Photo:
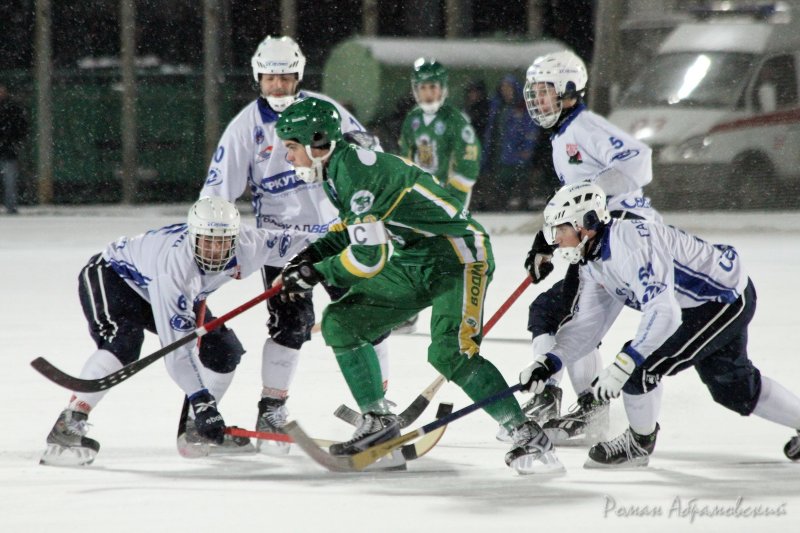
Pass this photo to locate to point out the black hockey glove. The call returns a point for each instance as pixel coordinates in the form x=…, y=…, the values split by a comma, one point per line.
x=207, y=419
x=299, y=276
x=534, y=377
x=539, y=261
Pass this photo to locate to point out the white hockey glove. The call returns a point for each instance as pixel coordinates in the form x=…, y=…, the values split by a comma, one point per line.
x=609, y=382
x=534, y=377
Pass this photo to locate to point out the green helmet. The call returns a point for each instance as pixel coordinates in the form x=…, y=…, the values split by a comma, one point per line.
x=429, y=71
x=310, y=121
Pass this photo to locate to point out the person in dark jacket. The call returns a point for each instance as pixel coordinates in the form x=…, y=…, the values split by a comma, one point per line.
x=13, y=129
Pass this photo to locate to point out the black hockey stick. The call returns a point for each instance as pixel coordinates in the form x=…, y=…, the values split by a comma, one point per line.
x=44, y=367
x=421, y=402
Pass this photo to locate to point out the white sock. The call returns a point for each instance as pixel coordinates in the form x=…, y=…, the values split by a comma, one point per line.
x=584, y=370
x=216, y=383
x=278, y=366
x=382, y=349
x=542, y=344
x=100, y=364
x=777, y=404
x=643, y=410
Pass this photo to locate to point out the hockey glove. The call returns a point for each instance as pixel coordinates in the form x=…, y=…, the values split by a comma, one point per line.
x=207, y=419
x=609, y=382
x=539, y=261
x=534, y=377
x=298, y=279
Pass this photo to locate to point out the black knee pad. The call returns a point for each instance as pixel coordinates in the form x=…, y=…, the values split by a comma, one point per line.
x=547, y=311
x=220, y=350
x=290, y=322
x=736, y=387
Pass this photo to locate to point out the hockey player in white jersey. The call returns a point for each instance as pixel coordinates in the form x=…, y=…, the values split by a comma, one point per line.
x=250, y=155
x=696, y=302
x=153, y=282
x=586, y=147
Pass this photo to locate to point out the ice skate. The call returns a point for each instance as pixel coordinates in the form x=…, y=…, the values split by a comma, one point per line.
x=586, y=423
x=544, y=406
x=532, y=452
x=792, y=448
x=191, y=444
x=272, y=416
x=627, y=450
x=374, y=429
x=67, y=444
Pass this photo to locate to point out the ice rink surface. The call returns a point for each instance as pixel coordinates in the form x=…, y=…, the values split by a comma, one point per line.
x=708, y=460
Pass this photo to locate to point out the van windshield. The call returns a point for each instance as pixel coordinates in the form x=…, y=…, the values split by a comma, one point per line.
x=691, y=79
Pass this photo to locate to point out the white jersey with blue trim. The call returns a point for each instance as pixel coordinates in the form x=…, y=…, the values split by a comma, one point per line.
x=250, y=154
x=587, y=147
x=653, y=268
x=160, y=266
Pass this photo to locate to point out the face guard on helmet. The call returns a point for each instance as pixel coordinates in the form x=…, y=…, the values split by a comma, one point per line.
x=213, y=227
x=429, y=71
x=314, y=123
x=278, y=55
x=579, y=205
x=550, y=80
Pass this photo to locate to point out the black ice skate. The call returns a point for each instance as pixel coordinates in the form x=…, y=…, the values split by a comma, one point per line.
x=374, y=429
x=532, y=452
x=66, y=443
x=540, y=409
x=272, y=416
x=792, y=448
x=191, y=444
x=628, y=450
x=585, y=423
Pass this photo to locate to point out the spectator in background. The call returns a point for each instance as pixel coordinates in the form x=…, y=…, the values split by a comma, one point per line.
x=509, y=143
x=476, y=105
x=13, y=128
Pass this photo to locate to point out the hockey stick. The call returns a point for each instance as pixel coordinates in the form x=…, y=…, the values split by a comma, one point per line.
x=361, y=460
x=409, y=451
x=44, y=367
x=421, y=402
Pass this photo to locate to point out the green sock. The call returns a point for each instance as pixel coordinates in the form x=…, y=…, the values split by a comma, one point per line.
x=363, y=376
x=480, y=379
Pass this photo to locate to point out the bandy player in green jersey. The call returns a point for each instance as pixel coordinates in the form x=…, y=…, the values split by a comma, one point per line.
x=437, y=136
x=442, y=258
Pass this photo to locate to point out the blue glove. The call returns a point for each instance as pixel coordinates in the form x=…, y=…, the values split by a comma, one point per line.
x=207, y=419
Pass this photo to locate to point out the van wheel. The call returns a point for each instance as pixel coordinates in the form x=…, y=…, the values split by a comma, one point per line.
x=752, y=182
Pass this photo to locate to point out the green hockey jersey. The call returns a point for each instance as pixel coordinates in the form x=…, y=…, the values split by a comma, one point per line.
x=445, y=145
x=382, y=195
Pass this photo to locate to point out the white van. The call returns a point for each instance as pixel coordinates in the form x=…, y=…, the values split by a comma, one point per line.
x=719, y=104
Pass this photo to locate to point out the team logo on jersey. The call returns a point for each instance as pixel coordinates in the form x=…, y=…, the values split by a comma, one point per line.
x=258, y=134
x=426, y=153
x=286, y=242
x=264, y=154
x=439, y=127
x=214, y=177
x=181, y=323
x=652, y=288
x=625, y=155
x=415, y=123
x=468, y=134
x=361, y=202
x=574, y=154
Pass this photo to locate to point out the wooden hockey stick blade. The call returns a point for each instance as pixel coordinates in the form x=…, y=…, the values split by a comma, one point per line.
x=362, y=460
x=407, y=417
x=45, y=368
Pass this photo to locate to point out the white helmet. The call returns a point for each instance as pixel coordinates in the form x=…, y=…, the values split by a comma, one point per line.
x=580, y=205
x=218, y=221
x=562, y=70
x=278, y=55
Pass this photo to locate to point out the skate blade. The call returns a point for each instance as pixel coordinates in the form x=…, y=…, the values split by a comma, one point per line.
x=273, y=448
x=57, y=455
x=638, y=462
x=393, y=462
x=503, y=435
x=547, y=463
x=560, y=437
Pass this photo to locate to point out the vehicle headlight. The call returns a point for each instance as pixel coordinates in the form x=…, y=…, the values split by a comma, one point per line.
x=693, y=146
